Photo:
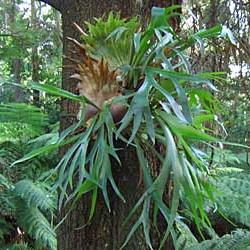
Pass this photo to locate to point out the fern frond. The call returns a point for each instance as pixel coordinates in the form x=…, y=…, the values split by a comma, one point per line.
x=234, y=192
x=96, y=81
x=23, y=113
x=112, y=39
x=5, y=228
x=34, y=196
x=36, y=225
x=238, y=240
x=16, y=246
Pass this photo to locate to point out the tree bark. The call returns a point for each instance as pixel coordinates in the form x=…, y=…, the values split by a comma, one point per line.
x=106, y=230
x=16, y=63
x=34, y=55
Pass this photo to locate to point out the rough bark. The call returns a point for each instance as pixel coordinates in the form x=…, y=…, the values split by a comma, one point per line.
x=106, y=230
x=16, y=63
x=34, y=55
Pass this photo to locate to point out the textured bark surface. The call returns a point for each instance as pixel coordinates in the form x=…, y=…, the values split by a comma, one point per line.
x=34, y=55
x=17, y=63
x=106, y=230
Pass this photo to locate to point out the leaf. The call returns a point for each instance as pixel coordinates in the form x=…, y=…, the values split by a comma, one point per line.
x=185, y=130
x=43, y=150
x=139, y=108
x=61, y=93
x=227, y=32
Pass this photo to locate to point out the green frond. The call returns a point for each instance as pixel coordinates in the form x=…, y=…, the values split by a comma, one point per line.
x=23, y=113
x=34, y=195
x=112, y=39
x=36, y=225
x=186, y=237
x=157, y=83
x=11, y=151
x=5, y=228
x=233, y=194
x=238, y=240
x=16, y=246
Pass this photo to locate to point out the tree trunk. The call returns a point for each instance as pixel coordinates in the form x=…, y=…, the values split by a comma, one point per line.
x=16, y=63
x=106, y=230
x=34, y=55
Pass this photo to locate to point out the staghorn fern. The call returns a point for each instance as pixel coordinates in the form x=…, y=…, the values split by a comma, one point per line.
x=111, y=39
x=156, y=79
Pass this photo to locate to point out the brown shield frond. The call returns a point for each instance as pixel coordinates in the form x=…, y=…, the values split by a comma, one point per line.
x=95, y=80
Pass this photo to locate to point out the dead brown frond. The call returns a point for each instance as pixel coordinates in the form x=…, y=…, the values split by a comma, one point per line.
x=95, y=80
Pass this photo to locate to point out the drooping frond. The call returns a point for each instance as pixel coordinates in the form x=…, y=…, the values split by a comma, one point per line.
x=34, y=196
x=16, y=246
x=238, y=240
x=234, y=192
x=36, y=225
x=23, y=113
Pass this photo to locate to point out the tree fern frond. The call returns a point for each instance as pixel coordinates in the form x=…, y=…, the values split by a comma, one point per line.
x=23, y=113
x=36, y=225
x=234, y=192
x=238, y=240
x=5, y=228
x=34, y=195
x=16, y=246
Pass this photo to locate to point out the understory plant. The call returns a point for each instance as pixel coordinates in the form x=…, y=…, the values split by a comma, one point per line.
x=138, y=86
x=26, y=204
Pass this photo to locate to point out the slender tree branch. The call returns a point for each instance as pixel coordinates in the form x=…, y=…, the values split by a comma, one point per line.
x=54, y=3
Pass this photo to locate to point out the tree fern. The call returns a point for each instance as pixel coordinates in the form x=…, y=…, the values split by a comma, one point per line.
x=34, y=196
x=233, y=194
x=16, y=246
x=24, y=203
x=23, y=113
x=238, y=240
x=36, y=225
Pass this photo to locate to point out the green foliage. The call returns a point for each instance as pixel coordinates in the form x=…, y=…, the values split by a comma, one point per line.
x=29, y=205
x=166, y=104
x=13, y=131
x=34, y=196
x=112, y=39
x=157, y=82
x=16, y=246
x=23, y=113
x=238, y=240
x=233, y=187
x=24, y=202
x=36, y=225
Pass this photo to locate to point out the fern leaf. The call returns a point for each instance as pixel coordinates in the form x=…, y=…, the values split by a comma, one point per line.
x=36, y=225
x=238, y=240
x=34, y=195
